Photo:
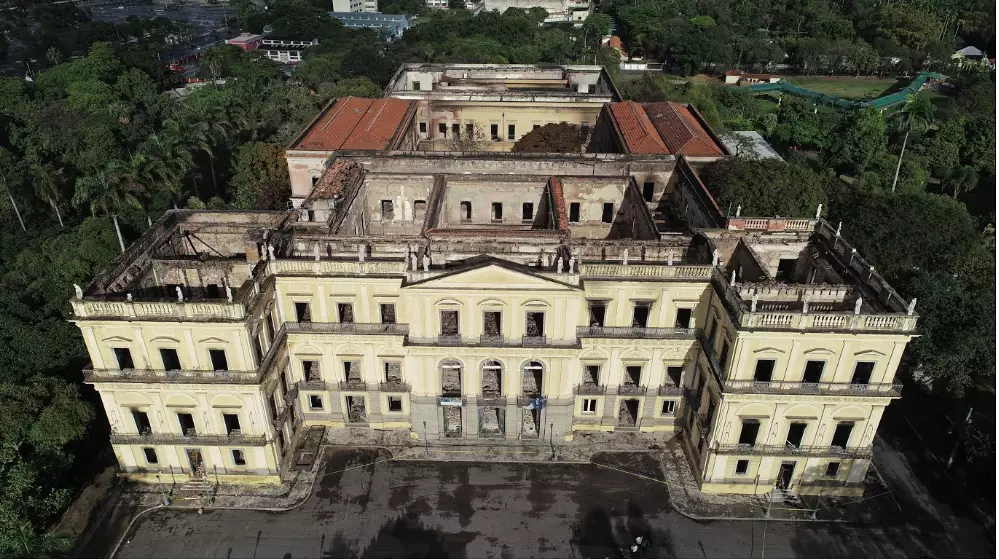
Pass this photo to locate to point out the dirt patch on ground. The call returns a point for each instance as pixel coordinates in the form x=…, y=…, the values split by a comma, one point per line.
x=79, y=513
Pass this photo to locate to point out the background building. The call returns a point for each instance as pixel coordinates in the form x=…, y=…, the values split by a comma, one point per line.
x=345, y=6
x=394, y=25
x=559, y=11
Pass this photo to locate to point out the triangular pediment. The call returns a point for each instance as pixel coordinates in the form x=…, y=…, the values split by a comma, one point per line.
x=494, y=275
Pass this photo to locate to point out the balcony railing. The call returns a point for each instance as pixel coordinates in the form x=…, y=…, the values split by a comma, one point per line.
x=590, y=389
x=491, y=399
x=803, y=387
x=635, y=332
x=670, y=390
x=495, y=341
x=534, y=341
x=353, y=385
x=181, y=439
x=632, y=390
x=394, y=387
x=313, y=385
x=524, y=400
x=790, y=450
x=349, y=328
x=491, y=340
x=171, y=376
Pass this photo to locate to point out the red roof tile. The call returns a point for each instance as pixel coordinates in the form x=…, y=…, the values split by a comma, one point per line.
x=354, y=123
x=681, y=130
x=638, y=133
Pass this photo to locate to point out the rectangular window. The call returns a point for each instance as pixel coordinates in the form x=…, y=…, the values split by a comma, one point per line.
x=511, y=132
x=470, y=131
x=534, y=324
x=764, y=371
x=675, y=375
x=813, y=371
x=584, y=130
x=633, y=375
x=723, y=357
x=231, y=422
x=841, y=437
x=574, y=212
x=862, y=373
x=492, y=323
x=494, y=132
x=589, y=406
x=311, y=370
x=683, y=318
x=598, y=310
x=795, y=432
x=219, y=361
x=449, y=322
x=186, y=421
x=395, y=404
x=742, y=466
x=302, y=312
x=785, y=271
x=423, y=128
x=528, y=213
x=238, y=458
x=150, y=454
x=591, y=375
x=388, y=210
x=750, y=429
x=456, y=130
x=258, y=350
x=387, y=313
x=497, y=212
x=648, y=188
x=124, y=358
x=442, y=130
x=419, y=209
x=535, y=127
x=171, y=360
x=345, y=312
x=315, y=402
x=465, y=211
x=832, y=469
x=416, y=85
x=640, y=314
x=141, y=419
x=352, y=370
x=669, y=407
x=608, y=213
x=393, y=372
x=712, y=333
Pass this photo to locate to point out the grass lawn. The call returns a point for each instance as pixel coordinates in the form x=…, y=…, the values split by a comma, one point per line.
x=847, y=88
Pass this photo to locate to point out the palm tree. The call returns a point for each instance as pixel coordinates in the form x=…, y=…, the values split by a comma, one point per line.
x=915, y=116
x=47, y=181
x=168, y=158
x=962, y=179
x=110, y=191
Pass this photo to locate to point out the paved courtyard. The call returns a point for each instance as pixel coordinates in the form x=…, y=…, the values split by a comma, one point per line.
x=367, y=507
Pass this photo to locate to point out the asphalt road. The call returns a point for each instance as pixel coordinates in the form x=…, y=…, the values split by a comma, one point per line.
x=431, y=510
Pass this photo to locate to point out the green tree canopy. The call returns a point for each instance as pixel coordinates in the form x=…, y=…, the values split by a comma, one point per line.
x=766, y=187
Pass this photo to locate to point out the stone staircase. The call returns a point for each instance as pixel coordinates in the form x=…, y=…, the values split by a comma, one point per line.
x=781, y=496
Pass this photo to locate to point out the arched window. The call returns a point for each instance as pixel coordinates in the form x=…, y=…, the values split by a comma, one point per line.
x=450, y=378
x=492, y=378
x=533, y=374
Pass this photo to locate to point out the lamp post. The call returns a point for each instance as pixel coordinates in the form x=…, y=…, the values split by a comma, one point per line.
x=166, y=500
x=426, y=442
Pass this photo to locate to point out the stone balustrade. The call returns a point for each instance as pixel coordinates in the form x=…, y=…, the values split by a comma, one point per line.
x=172, y=376
x=221, y=310
x=791, y=450
x=640, y=270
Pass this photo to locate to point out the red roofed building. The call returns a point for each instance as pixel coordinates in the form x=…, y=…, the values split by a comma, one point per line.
x=666, y=128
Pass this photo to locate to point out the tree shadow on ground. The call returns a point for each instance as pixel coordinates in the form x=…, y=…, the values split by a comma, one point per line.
x=404, y=537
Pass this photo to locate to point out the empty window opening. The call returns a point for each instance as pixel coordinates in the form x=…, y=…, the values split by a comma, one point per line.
x=124, y=358
x=388, y=210
x=393, y=372
x=470, y=131
x=713, y=333
x=628, y=413
x=598, y=310
x=832, y=469
x=682, y=318
x=640, y=315
x=492, y=379
x=785, y=270
x=497, y=212
x=356, y=412
x=633, y=376
x=589, y=406
x=219, y=360
x=535, y=326
x=451, y=379
x=675, y=375
x=841, y=437
x=574, y=212
x=238, y=458
x=345, y=312
x=607, y=216
x=423, y=128
x=531, y=424
x=511, y=132
x=395, y=404
x=452, y=421
x=315, y=402
x=648, y=188
x=352, y=371
x=213, y=291
x=535, y=126
x=231, y=422
x=492, y=323
x=591, y=375
x=311, y=370
x=813, y=371
x=494, y=132
x=584, y=130
x=669, y=408
x=528, y=211
x=742, y=466
x=303, y=314
x=465, y=213
x=186, y=422
x=532, y=379
x=419, y=209
x=442, y=130
x=862, y=373
x=723, y=357
x=416, y=85
x=388, y=313
x=795, y=432
x=750, y=429
x=141, y=419
x=150, y=454
x=456, y=130
x=449, y=322
x=492, y=421
x=764, y=371
x=171, y=360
